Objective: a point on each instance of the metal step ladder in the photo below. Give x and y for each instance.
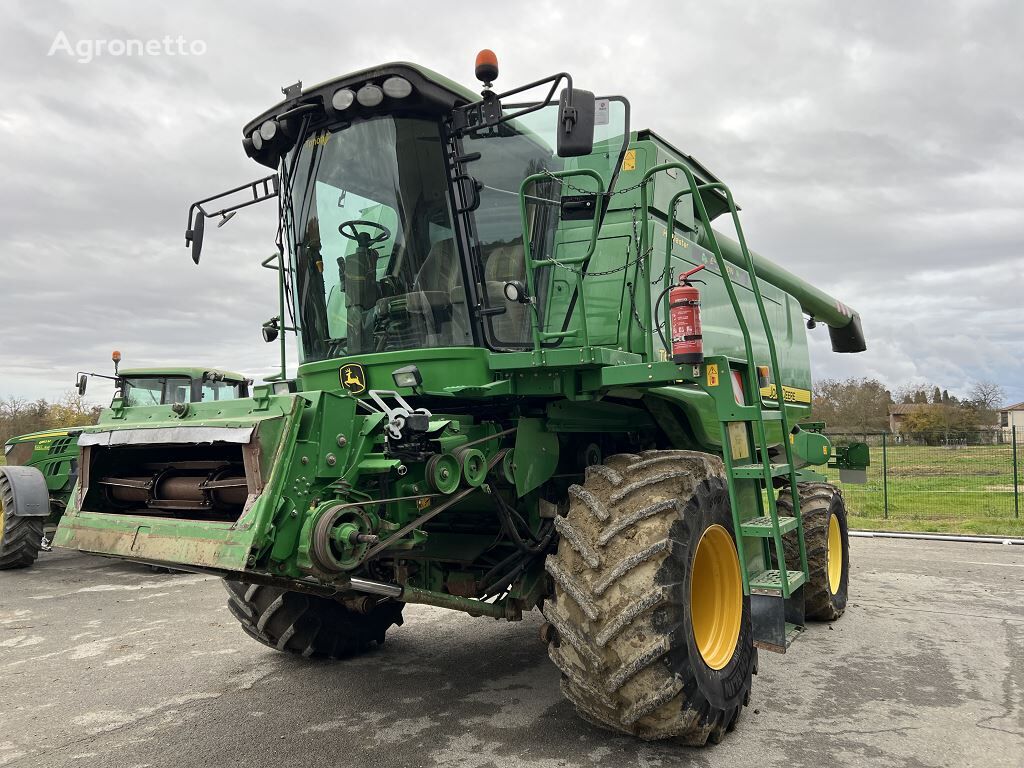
(776, 597)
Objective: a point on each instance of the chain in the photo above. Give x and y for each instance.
(580, 190)
(641, 259)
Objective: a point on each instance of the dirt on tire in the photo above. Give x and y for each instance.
(308, 625)
(818, 502)
(620, 610)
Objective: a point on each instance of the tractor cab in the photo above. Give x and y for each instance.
(405, 210)
(169, 385)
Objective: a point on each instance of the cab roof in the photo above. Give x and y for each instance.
(430, 88)
(188, 371)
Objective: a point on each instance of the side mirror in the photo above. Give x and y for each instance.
(194, 236)
(575, 132)
(83, 382)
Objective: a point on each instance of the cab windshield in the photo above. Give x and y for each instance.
(156, 390)
(370, 233)
(167, 390)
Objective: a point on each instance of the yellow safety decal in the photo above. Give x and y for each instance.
(629, 160)
(790, 394)
(712, 375)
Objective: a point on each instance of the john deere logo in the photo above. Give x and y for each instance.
(353, 378)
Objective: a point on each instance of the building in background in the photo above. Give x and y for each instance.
(898, 413)
(1012, 416)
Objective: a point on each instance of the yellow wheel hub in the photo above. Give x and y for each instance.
(716, 597)
(835, 554)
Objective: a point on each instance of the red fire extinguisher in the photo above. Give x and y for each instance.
(684, 320)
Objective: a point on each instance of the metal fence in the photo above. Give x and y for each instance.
(944, 481)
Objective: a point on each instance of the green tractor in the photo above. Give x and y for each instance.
(42, 467)
(499, 406)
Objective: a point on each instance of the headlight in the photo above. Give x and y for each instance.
(370, 96)
(409, 376)
(268, 130)
(257, 140)
(397, 87)
(342, 99)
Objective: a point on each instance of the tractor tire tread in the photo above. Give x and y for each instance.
(815, 508)
(308, 625)
(617, 639)
(21, 537)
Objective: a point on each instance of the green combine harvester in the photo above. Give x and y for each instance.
(42, 467)
(499, 406)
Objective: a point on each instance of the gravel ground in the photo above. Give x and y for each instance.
(104, 663)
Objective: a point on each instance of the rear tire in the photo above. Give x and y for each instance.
(827, 540)
(653, 633)
(308, 625)
(20, 537)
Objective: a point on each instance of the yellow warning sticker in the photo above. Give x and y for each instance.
(712, 375)
(629, 160)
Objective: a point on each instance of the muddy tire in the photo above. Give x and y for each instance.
(308, 625)
(20, 537)
(827, 540)
(626, 625)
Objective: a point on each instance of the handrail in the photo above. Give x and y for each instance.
(780, 400)
(750, 369)
(538, 335)
(715, 250)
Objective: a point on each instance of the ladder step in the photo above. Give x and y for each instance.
(772, 580)
(762, 526)
(757, 471)
(771, 415)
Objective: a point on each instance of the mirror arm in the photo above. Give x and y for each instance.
(262, 189)
(490, 98)
(98, 375)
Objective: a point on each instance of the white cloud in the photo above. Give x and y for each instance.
(876, 151)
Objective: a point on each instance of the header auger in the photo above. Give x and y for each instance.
(488, 415)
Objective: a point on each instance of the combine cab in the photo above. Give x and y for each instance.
(532, 376)
(42, 467)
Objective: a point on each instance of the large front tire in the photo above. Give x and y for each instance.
(653, 630)
(20, 537)
(827, 540)
(308, 625)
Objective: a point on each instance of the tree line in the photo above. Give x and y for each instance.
(845, 405)
(19, 415)
(863, 405)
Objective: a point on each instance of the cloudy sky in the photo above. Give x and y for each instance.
(877, 149)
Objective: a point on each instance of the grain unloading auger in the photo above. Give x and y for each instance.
(487, 415)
